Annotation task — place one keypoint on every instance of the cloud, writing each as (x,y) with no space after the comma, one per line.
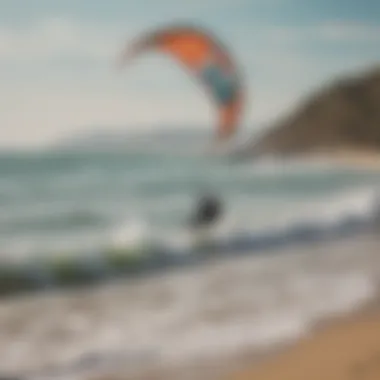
(39,115)
(328,31)
(57,38)
(344,31)
(196,6)
(32,118)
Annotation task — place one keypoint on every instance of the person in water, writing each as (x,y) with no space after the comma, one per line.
(208,211)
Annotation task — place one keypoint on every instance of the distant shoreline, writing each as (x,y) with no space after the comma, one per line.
(357,159)
(349,158)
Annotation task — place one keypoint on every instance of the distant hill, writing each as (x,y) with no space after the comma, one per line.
(343,116)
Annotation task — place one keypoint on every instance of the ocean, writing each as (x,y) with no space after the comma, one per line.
(73,200)
(82,201)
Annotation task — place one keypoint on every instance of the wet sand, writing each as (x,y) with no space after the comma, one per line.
(348,349)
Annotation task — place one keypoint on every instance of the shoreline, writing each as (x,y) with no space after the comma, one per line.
(282,362)
(344,158)
(246,363)
(344,276)
(342,348)
(258,363)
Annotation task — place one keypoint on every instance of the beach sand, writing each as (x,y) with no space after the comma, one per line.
(348,349)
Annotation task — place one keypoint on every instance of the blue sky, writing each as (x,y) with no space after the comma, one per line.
(57,59)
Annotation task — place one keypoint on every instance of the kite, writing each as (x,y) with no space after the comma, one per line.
(207,60)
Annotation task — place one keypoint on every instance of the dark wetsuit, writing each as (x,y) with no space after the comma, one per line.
(208,211)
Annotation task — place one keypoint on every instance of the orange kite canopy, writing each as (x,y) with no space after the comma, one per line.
(207,60)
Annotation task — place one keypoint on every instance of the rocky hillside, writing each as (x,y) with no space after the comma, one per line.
(344,115)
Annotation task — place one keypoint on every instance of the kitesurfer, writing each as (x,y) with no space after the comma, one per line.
(207,211)
(206,214)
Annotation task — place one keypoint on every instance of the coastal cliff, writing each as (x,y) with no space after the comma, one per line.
(342,117)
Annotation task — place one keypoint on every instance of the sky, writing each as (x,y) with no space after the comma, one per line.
(57,60)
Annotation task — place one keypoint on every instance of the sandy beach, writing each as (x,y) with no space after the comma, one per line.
(344,350)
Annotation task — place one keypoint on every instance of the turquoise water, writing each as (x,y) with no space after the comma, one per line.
(78,200)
